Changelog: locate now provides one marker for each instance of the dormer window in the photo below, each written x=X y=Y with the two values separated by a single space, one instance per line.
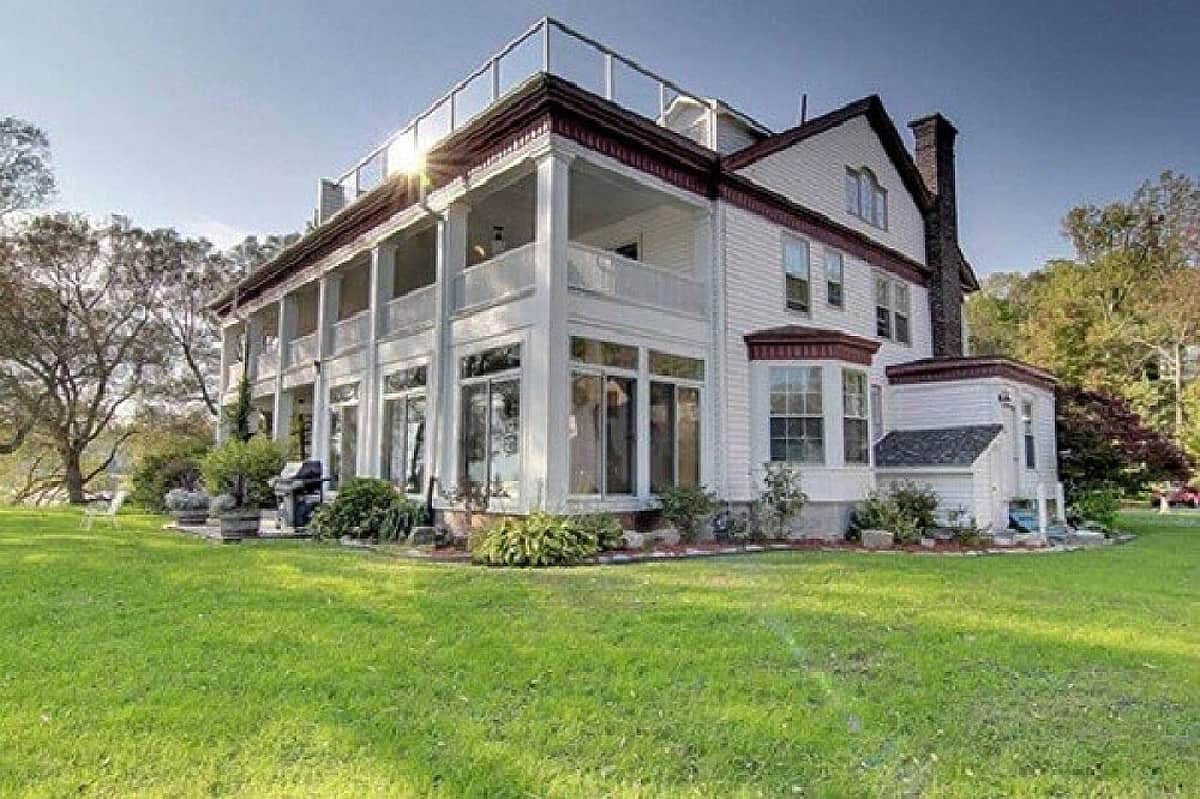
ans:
x=865 y=198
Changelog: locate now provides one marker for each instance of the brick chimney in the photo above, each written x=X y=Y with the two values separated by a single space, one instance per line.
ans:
x=935 y=161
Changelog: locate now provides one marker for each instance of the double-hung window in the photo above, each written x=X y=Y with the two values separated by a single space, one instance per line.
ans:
x=404 y=433
x=343 y=433
x=1027 y=430
x=796 y=269
x=835 y=278
x=602 y=427
x=865 y=198
x=797 y=424
x=675 y=383
x=855 y=433
x=893 y=308
x=490 y=420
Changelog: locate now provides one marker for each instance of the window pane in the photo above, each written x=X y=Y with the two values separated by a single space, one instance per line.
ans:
x=392 y=441
x=795 y=254
x=856 y=441
x=347 y=392
x=797 y=293
x=414 y=482
x=689 y=436
x=584 y=434
x=880 y=209
x=668 y=365
x=834 y=275
x=620 y=395
x=852 y=204
x=506 y=437
x=473 y=457
x=662 y=436
x=335 y=447
x=883 y=322
x=491 y=361
x=404 y=380
x=603 y=353
x=348 y=443
x=902 y=334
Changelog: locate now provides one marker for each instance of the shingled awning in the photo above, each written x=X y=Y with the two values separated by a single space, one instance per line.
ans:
x=938 y=447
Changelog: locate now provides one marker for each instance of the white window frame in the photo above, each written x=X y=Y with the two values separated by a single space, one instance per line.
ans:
x=866 y=198
x=1028 y=436
x=500 y=503
x=895 y=308
x=407 y=395
x=332 y=409
x=864 y=416
x=788 y=275
x=603 y=372
x=810 y=368
x=677 y=382
x=840 y=258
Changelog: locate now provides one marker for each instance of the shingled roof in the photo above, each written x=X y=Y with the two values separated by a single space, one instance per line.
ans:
x=943 y=446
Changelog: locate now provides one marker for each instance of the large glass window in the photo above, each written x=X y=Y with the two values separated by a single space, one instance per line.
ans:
x=796 y=271
x=490 y=424
x=835 y=278
x=797 y=425
x=603 y=422
x=675 y=420
x=404 y=433
x=343 y=433
x=1027 y=429
x=855 y=435
x=883 y=307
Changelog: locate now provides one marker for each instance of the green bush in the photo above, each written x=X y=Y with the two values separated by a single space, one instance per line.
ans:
x=367 y=508
x=167 y=465
x=781 y=500
x=1100 y=506
x=604 y=527
x=241 y=470
x=906 y=511
x=685 y=506
x=916 y=502
x=537 y=540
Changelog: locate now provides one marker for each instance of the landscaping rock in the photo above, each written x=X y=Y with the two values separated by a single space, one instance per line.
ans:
x=877 y=539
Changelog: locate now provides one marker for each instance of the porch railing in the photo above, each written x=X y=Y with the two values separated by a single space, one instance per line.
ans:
x=548 y=46
x=302 y=350
x=491 y=281
x=606 y=273
x=411 y=309
x=351 y=332
x=268 y=361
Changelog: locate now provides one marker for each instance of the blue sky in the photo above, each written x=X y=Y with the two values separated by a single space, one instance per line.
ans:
x=218 y=117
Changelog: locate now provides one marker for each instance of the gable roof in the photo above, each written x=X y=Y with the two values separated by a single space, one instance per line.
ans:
x=943 y=446
x=872 y=108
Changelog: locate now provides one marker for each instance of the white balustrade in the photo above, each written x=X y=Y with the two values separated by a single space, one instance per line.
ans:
x=302 y=350
x=351 y=332
x=498 y=278
x=606 y=273
x=410 y=310
x=268 y=361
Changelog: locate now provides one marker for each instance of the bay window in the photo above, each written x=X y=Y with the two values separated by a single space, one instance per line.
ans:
x=796 y=274
x=343 y=433
x=797 y=424
x=675 y=453
x=404 y=434
x=490 y=420
x=855 y=434
x=603 y=420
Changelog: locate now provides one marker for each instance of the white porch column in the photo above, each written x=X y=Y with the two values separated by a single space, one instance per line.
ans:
x=1060 y=502
x=329 y=291
x=545 y=365
x=643 y=424
x=1042 y=515
x=227 y=358
x=379 y=292
x=450 y=258
x=288 y=316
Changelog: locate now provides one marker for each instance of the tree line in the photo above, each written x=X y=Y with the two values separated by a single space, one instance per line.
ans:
x=1119 y=325
x=104 y=330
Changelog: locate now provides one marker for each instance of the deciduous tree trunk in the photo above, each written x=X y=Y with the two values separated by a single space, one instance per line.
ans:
x=73 y=477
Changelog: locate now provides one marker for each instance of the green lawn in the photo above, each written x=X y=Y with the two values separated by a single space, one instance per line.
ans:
x=139 y=662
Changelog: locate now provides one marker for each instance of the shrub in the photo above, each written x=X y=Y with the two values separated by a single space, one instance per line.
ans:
x=1096 y=506
x=729 y=524
x=369 y=509
x=537 y=540
x=241 y=469
x=180 y=499
x=685 y=506
x=604 y=528
x=907 y=512
x=915 y=502
x=165 y=466
x=782 y=498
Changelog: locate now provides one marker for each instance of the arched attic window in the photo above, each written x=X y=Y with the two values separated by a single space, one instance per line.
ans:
x=865 y=198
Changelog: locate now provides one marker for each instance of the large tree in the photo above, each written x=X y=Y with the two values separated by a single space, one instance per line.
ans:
x=25 y=177
x=79 y=339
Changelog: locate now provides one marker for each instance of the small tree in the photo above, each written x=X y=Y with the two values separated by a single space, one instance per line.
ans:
x=685 y=506
x=782 y=498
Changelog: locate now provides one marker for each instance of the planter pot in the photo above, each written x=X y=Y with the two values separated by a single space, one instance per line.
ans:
x=877 y=539
x=929 y=543
x=238 y=524
x=190 y=518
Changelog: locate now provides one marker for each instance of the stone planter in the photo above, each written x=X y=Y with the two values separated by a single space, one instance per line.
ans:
x=240 y=523
x=190 y=518
x=877 y=539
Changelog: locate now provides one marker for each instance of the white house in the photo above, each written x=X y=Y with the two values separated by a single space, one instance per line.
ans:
x=576 y=282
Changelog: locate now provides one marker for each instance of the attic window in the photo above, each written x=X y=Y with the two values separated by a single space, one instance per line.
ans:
x=865 y=198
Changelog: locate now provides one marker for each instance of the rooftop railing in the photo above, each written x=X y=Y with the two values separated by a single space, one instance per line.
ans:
x=548 y=46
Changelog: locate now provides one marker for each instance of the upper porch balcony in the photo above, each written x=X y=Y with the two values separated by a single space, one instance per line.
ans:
x=550 y=47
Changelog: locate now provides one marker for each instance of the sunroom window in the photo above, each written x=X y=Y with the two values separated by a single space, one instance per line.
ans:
x=603 y=421
x=343 y=433
x=490 y=433
x=675 y=387
x=404 y=434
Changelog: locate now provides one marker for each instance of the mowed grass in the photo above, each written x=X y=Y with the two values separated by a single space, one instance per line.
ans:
x=138 y=662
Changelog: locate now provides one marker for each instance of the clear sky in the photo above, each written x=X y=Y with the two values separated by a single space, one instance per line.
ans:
x=217 y=116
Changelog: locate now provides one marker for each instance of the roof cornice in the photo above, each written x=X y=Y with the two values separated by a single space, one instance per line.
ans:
x=937 y=370
x=800 y=343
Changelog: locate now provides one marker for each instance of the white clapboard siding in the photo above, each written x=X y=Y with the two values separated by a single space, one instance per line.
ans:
x=665 y=235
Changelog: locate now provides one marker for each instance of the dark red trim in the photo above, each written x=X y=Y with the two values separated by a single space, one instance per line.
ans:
x=937 y=370
x=799 y=343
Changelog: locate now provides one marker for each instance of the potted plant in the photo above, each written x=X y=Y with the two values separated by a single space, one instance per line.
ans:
x=190 y=508
x=237 y=473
